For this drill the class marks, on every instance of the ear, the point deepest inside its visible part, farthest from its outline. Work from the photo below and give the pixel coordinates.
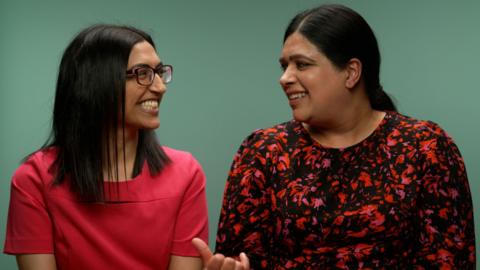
(353, 71)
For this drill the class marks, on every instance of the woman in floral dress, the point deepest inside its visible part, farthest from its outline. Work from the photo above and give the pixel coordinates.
(349, 183)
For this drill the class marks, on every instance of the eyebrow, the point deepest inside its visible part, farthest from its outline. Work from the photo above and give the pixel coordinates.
(296, 57)
(146, 65)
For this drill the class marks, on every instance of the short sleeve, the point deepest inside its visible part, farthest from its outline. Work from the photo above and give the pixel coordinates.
(192, 218)
(29, 227)
(445, 212)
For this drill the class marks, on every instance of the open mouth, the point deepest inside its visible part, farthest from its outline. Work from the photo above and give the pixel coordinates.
(295, 96)
(150, 105)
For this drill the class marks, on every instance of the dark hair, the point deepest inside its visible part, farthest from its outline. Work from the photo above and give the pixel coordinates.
(90, 96)
(342, 34)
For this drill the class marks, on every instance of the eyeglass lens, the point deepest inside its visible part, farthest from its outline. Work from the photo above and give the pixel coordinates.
(146, 75)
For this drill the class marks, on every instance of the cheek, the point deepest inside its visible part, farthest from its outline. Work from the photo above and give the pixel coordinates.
(315, 81)
(132, 95)
(128, 105)
(324, 87)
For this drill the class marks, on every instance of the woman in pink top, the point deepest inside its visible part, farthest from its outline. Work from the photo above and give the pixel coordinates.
(102, 193)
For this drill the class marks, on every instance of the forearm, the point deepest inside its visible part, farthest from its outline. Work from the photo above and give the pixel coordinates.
(184, 263)
(36, 262)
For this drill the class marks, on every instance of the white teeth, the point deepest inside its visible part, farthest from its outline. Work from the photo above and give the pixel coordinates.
(150, 104)
(296, 96)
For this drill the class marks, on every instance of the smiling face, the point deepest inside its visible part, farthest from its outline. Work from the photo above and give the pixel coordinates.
(142, 102)
(317, 90)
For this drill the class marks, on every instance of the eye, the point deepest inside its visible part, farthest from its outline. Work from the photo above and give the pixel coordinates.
(302, 65)
(142, 73)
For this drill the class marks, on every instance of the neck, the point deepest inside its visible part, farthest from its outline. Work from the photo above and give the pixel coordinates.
(124, 160)
(348, 128)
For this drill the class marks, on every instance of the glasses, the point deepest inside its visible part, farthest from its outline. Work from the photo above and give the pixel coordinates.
(145, 74)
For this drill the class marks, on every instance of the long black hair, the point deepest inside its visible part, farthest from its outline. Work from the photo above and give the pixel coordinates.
(89, 101)
(342, 34)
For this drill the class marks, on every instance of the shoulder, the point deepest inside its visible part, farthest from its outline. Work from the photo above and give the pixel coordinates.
(44, 156)
(40, 161)
(176, 155)
(420, 130)
(429, 136)
(181, 161)
(275, 131)
(274, 135)
(406, 123)
(264, 146)
(37, 170)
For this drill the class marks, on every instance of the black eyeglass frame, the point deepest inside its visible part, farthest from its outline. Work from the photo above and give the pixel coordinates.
(160, 70)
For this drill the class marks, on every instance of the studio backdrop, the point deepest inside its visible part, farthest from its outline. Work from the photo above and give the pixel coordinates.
(226, 71)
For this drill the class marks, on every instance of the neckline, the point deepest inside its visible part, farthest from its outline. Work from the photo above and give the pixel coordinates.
(132, 180)
(371, 136)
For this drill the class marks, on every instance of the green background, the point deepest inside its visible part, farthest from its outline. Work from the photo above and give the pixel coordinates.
(225, 56)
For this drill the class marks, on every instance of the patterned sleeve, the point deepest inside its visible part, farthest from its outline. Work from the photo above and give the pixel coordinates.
(445, 212)
(244, 219)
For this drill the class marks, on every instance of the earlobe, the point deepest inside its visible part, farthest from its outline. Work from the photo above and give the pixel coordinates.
(354, 73)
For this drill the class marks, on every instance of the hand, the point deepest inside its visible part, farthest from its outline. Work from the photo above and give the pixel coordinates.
(218, 261)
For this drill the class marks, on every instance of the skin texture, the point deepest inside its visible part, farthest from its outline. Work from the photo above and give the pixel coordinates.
(333, 106)
(218, 261)
(308, 71)
(181, 262)
(36, 261)
(137, 116)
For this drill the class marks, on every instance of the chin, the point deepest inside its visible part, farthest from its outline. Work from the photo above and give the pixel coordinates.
(150, 127)
(299, 116)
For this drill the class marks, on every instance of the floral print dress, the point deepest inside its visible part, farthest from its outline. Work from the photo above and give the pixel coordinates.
(399, 199)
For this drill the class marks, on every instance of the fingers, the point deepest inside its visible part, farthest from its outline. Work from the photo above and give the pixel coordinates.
(203, 249)
(218, 261)
(244, 261)
(239, 266)
(229, 264)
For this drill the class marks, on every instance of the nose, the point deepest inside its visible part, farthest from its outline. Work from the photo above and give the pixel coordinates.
(158, 86)
(288, 77)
